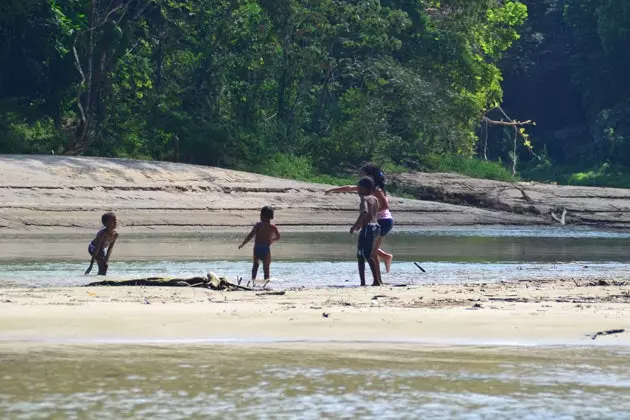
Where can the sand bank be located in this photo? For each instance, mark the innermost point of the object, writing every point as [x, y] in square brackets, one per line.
[532, 312]
[44, 194]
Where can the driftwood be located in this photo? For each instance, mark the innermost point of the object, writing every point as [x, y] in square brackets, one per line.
[562, 219]
[605, 283]
[211, 281]
[608, 332]
[280, 293]
[509, 299]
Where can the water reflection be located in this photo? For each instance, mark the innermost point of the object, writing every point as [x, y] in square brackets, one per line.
[328, 258]
[236, 382]
[448, 245]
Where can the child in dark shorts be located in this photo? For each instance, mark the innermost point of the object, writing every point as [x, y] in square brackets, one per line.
[384, 216]
[369, 231]
[266, 233]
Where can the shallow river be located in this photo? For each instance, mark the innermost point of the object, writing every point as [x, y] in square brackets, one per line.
[319, 380]
[181, 382]
[327, 258]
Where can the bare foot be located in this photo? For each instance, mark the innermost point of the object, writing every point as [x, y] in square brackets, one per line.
[376, 284]
[388, 262]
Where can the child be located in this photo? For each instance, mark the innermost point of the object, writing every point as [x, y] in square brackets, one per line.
[370, 231]
[384, 217]
[105, 240]
[266, 233]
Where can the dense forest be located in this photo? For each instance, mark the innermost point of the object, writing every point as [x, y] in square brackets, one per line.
[536, 89]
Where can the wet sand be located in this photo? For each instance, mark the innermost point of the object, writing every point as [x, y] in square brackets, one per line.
[529, 312]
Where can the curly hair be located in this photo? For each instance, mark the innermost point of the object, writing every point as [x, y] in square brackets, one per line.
[107, 217]
[266, 213]
[376, 174]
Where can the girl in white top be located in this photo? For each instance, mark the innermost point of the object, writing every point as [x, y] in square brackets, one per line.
[385, 218]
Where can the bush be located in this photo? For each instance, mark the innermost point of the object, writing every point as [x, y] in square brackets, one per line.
[473, 167]
[600, 176]
[283, 165]
[18, 136]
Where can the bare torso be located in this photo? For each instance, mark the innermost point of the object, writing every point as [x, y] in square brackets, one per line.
[371, 206]
[105, 238]
[266, 233]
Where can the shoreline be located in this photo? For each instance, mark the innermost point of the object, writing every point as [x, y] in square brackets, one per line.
[546, 313]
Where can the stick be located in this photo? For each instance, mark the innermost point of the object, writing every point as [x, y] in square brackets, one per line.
[420, 267]
[280, 293]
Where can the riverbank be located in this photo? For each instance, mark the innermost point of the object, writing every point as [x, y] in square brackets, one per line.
[551, 312]
[57, 194]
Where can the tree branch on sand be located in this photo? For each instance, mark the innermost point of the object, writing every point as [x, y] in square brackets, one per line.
[211, 281]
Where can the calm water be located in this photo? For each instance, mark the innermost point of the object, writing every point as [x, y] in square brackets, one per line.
[179, 382]
[327, 258]
[318, 380]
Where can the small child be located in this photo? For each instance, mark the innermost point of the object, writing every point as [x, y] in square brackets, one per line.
[370, 230]
[105, 240]
[266, 233]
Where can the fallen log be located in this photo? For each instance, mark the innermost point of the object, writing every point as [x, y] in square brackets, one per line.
[211, 281]
[608, 332]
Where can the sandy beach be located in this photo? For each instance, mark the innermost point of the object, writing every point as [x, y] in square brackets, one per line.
[534, 312]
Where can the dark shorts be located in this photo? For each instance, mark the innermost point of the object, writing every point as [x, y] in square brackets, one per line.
[386, 226]
[367, 236]
[92, 251]
[261, 251]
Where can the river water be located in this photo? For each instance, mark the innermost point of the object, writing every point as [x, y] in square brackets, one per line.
[319, 380]
[267, 382]
[321, 259]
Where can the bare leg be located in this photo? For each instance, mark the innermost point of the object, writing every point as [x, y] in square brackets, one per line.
[266, 268]
[362, 270]
[254, 271]
[376, 271]
[387, 258]
[102, 267]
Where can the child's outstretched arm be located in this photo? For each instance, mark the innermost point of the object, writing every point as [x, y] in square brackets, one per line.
[344, 189]
[248, 237]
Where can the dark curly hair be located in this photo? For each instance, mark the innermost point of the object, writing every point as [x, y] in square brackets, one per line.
[376, 174]
[366, 183]
[266, 213]
[107, 217]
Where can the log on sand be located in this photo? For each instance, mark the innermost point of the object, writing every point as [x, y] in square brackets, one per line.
[211, 281]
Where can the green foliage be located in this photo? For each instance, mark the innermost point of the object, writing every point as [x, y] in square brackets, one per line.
[289, 88]
[286, 166]
[568, 72]
[293, 167]
[475, 168]
[603, 175]
[20, 136]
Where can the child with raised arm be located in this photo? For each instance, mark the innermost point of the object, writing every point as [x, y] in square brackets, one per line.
[265, 233]
[369, 231]
[384, 217]
[102, 246]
